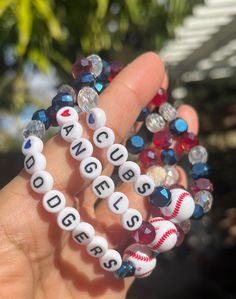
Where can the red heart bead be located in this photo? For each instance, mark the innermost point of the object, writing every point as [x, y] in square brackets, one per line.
[66, 113]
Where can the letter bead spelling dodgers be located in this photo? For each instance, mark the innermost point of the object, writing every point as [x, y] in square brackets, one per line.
[68, 219]
[41, 181]
[97, 247]
[84, 233]
[34, 162]
[54, 201]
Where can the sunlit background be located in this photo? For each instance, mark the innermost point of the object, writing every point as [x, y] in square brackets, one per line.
[39, 41]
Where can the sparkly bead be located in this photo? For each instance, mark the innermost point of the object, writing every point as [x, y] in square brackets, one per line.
[100, 86]
[172, 176]
[198, 212]
[204, 199]
[34, 128]
[202, 184]
[157, 173]
[167, 111]
[82, 65]
[96, 64]
[145, 234]
[185, 226]
[168, 157]
[135, 144]
[198, 154]
[188, 141]
[42, 115]
[178, 126]
[160, 97]
[65, 88]
[62, 99]
[155, 122]
[162, 139]
[86, 79]
[143, 114]
[87, 99]
[147, 157]
[200, 170]
[127, 269]
[160, 197]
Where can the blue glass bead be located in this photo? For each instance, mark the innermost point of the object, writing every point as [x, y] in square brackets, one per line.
[198, 212]
[127, 269]
[168, 157]
[135, 144]
[178, 126]
[87, 79]
[99, 87]
[200, 170]
[143, 114]
[62, 99]
[160, 197]
[42, 115]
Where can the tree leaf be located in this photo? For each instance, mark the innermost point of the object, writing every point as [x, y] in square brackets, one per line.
[4, 4]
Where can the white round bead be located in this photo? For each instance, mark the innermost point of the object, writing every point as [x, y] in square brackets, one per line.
[117, 154]
[71, 130]
[144, 185]
[103, 186]
[118, 203]
[142, 258]
[68, 219]
[111, 261]
[90, 168]
[96, 118]
[66, 114]
[166, 235]
[34, 162]
[32, 144]
[41, 181]
[103, 137]
[131, 219]
[97, 247]
[181, 207]
[81, 148]
[83, 234]
[54, 201]
[129, 172]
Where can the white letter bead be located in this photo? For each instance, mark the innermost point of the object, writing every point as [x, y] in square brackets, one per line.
[129, 172]
[96, 118]
[90, 168]
[71, 130]
[97, 247]
[68, 219]
[83, 234]
[103, 137]
[54, 201]
[41, 181]
[32, 144]
[81, 148]
[131, 219]
[66, 114]
[34, 162]
[111, 261]
[103, 186]
[117, 154]
[144, 185]
[118, 203]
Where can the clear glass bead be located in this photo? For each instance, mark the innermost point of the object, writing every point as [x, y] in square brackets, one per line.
[155, 122]
[34, 128]
[172, 176]
[204, 199]
[87, 99]
[157, 173]
[96, 64]
[185, 226]
[167, 111]
[67, 89]
[198, 154]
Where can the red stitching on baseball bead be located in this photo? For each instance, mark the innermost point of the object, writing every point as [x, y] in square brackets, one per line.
[164, 237]
[157, 220]
[144, 274]
[177, 205]
[138, 256]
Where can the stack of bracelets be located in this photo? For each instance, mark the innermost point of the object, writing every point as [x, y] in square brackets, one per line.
[154, 176]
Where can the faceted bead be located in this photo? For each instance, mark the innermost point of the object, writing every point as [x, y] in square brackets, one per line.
[200, 170]
[143, 114]
[96, 64]
[180, 236]
[116, 67]
[87, 99]
[42, 115]
[204, 199]
[86, 79]
[160, 197]
[188, 141]
[201, 184]
[172, 176]
[178, 126]
[167, 111]
[198, 154]
[34, 128]
[135, 144]
[157, 173]
[160, 97]
[52, 114]
[168, 156]
[127, 269]
[100, 86]
[198, 212]
[147, 157]
[145, 234]
[155, 122]
[185, 226]
[82, 65]
[178, 149]
[62, 99]
[162, 139]
[65, 88]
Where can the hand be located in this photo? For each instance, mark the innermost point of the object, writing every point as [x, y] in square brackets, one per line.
[37, 259]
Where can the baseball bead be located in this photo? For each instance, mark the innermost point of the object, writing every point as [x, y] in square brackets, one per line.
[103, 137]
[41, 181]
[81, 148]
[96, 118]
[142, 259]
[71, 130]
[32, 144]
[34, 162]
[111, 260]
[129, 172]
[117, 154]
[54, 201]
[68, 219]
[181, 207]
[66, 114]
[83, 234]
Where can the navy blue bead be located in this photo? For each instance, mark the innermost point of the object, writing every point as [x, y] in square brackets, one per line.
[178, 126]
[42, 115]
[198, 212]
[200, 170]
[168, 157]
[87, 79]
[143, 114]
[160, 197]
[127, 269]
[135, 144]
[63, 99]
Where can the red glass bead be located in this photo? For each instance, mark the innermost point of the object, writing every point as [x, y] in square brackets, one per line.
[116, 67]
[162, 139]
[180, 236]
[81, 66]
[145, 234]
[148, 157]
[188, 140]
[201, 184]
[160, 98]
[179, 150]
